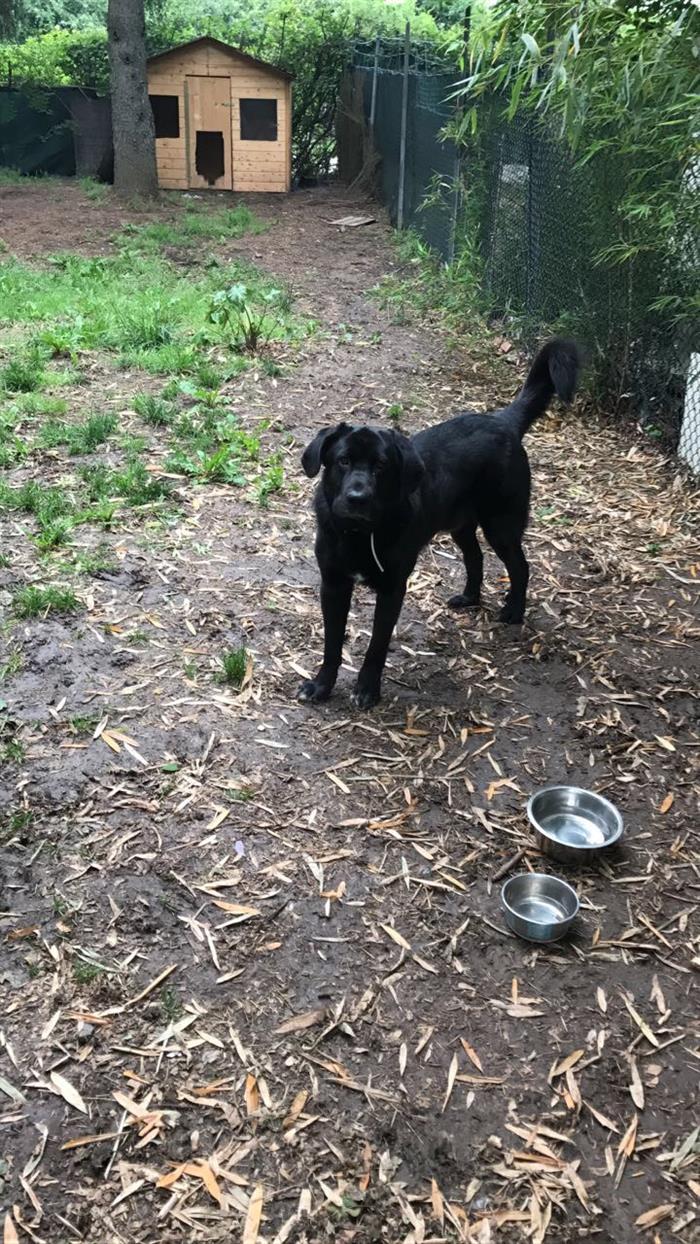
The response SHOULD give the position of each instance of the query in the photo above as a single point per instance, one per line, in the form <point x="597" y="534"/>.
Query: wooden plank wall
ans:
<point x="260" y="165"/>
<point x="257" y="166"/>
<point x="171" y="153"/>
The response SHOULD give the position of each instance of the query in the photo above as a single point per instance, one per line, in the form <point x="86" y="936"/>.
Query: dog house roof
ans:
<point x="223" y="47"/>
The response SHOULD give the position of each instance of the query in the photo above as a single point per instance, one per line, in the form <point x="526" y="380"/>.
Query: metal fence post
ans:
<point x="404" y="123"/>
<point x="454" y="216"/>
<point x="530" y="270"/>
<point x="373" y="104"/>
<point x="459" y="115"/>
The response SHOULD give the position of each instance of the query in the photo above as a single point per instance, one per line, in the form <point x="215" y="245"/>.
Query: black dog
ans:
<point x="383" y="497"/>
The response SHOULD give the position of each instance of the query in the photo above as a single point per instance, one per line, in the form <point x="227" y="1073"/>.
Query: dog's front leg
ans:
<point x="386" y="615"/>
<point x="336" y="594"/>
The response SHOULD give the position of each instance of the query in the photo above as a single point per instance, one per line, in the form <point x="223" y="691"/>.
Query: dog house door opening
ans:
<point x="209" y="155"/>
<point x="209" y="132"/>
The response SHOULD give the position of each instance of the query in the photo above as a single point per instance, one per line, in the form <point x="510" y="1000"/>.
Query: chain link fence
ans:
<point x="539" y="224"/>
<point x="426" y="198"/>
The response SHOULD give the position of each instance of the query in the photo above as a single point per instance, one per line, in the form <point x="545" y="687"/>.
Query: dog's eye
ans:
<point x="344" y="463"/>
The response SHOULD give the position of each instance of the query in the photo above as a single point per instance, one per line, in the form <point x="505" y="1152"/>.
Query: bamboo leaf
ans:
<point x="68" y="1092"/>
<point x="9" y="1234"/>
<point x="252" y="1222"/>
<point x="531" y="44"/>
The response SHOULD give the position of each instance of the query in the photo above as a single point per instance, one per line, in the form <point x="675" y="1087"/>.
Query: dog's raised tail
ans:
<point x="554" y="370"/>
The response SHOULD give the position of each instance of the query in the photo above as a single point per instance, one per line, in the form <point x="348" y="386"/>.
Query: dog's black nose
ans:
<point x="357" y="495"/>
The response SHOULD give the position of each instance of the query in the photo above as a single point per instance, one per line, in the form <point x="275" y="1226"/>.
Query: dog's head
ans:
<point x="367" y="471"/>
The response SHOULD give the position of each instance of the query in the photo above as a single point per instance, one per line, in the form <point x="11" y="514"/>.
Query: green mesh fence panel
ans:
<point x="36" y="134"/>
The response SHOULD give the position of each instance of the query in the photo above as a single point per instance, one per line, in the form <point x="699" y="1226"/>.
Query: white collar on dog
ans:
<point x="374" y="551"/>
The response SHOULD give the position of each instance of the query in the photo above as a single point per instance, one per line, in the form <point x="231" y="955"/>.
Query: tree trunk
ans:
<point x="133" y="131"/>
<point x="7" y="20"/>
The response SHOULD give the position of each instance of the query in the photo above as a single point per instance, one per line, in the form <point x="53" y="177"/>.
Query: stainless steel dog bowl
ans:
<point x="573" y="825"/>
<point x="539" y="907"/>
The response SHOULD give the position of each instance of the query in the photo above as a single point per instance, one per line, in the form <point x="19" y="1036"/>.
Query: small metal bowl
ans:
<point x="573" y="825"/>
<point x="538" y="906"/>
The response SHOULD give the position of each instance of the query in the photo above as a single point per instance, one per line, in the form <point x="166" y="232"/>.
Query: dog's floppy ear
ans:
<point x="314" y="456"/>
<point x="412" y="465"/>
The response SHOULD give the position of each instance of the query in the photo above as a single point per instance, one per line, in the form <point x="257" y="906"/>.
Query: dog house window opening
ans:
<point x="259" y="120"/>
<point x="166" y="115"/>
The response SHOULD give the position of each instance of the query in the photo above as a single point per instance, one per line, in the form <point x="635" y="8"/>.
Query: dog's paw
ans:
<point x="366" y="697"/>
<point x="462" y="602"/>
<point x="313" y="692"/>
<point x="511" y="615"/>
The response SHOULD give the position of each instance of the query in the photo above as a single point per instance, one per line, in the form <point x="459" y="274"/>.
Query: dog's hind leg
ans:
<point x="336" y="595"/>
<point x="505" y="537"/>
<point x="466" y="540"/>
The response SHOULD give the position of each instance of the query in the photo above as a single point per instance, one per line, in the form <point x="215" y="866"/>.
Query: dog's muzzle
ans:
<point x="354" y="513"/>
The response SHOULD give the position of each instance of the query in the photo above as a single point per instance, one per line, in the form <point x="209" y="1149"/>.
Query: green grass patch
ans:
<point x="98" y="561"/>
<point x="427" y="285"/>
<point x="177" y="358"/>
<point x="233" y="666"/>
<point x="61" y="341"/>
<point x="85" y="973"/>
<point x="270" y="481"/>
<point x="54" y="510"/>
<point x="151" y="314"/>
<point x="212" y="448"/>
<point x="156" y="411"/>
<point x="12" y="665"/>
<point x="15" y="824"/>
<point x="12" y="751"/>
<point x="222" y="465"/>
<point x="11" y="177"/>
<point x="125" y="302"/>
<point x="36" y="405"/>
<point x="35" y="602"/>
<point x="12" y="448"/>
<point x="192" y="225"/>
<point x="52" y="535"/>
<point x="208" y="377"/>
<point x="144" y="327"/>
<point x="170" y="1005"/>
<point x="132" y="483"/>
<point x="79" y="438"/>
<point x="95" y="190"/>
<point x="26" y="372"/>
<point x="133" y="444"/>
<point x="86" y="723"/>
<point x="43" y="502"/>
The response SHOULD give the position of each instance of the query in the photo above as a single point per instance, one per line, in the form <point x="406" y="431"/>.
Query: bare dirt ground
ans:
<point x="255" y="982"/>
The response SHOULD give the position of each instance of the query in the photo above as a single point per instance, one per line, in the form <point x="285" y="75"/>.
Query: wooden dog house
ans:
<point x="223" y="119"/>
